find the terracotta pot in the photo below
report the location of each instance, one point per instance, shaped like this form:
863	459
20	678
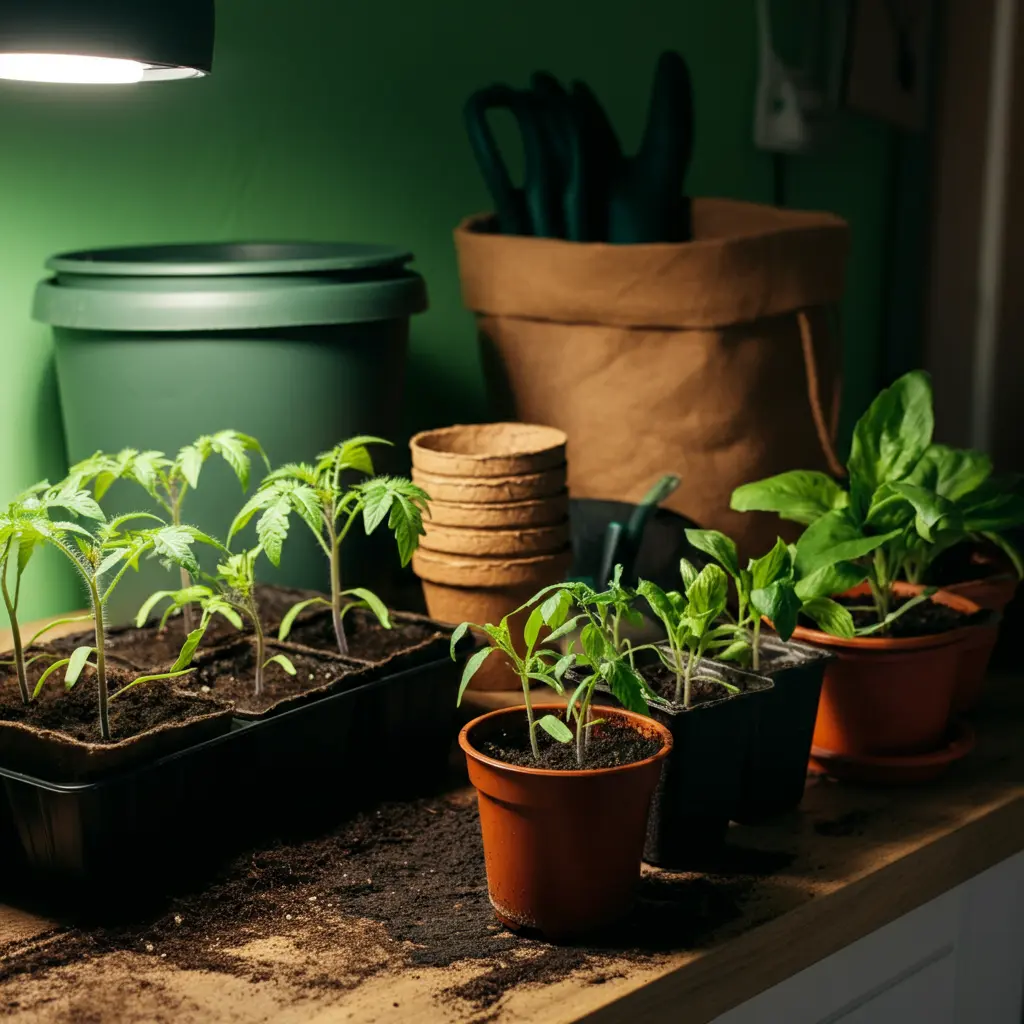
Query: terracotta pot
461	540
994	592
889	696
500	514
489	450
461	589
492	489
592	822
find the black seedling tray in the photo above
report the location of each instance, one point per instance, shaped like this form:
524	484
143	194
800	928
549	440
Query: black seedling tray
144	831
701	784
775	772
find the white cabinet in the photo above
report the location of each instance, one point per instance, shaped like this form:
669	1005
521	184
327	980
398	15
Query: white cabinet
956	960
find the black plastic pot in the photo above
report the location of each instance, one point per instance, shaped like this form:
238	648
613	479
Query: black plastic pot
775	772
144	830
702	782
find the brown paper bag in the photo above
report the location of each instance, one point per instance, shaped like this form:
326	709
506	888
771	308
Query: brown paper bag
713	359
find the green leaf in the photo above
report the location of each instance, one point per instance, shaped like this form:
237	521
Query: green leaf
472	666
709	593
81	503
567	627
771	567
718	546
830	616
532	628
802	496
114	558
780	604
284	661
891	437
952	473
231	447
556	729
657	599
272	529
933	513
294	612
189	648
830	580
190	461
76	663
173	544
594	643
403	503
739	652
627	687
150	679
39	633
373	602
917	599
576	700
150	603
563	665
688	571
259	501
888	511
55	667
460	631
556	608
835	538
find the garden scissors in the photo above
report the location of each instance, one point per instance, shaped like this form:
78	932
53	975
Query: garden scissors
551	203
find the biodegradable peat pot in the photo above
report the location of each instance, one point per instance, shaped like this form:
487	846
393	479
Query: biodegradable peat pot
885	695
775	771
591	822
461	589
489	450
701	787
460	540
48	753
507	515
489	490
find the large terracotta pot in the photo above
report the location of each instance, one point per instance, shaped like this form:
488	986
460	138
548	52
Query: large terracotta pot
463	589
993	592
489	450
889	696
591	822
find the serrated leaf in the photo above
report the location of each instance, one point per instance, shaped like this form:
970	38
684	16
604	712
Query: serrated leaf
231	447
272	529
190	462
173	544
627	687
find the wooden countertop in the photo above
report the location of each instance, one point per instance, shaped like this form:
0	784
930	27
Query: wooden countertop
862	857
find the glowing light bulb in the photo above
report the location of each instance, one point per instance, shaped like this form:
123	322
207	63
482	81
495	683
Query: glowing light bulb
70	69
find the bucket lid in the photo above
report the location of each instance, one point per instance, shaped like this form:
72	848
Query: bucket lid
228	286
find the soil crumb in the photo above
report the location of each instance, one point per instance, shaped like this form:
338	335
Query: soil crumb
610	746
401	886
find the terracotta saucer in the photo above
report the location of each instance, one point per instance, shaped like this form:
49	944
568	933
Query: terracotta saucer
895	770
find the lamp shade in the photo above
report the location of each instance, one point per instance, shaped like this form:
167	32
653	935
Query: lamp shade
105	41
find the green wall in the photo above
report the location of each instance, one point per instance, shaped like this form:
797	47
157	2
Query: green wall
328	119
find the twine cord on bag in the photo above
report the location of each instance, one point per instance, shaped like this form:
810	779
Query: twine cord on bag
826	432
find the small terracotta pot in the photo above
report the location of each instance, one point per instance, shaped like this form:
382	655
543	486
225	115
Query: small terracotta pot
488	450
994	592
889	696
461	589
492	489
591	822
461	540
501	514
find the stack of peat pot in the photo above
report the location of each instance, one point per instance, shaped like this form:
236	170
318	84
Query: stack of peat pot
498	529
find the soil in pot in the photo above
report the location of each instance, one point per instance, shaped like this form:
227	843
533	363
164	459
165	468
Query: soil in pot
367	639
928	618
612	746
532	818
57	736
230	675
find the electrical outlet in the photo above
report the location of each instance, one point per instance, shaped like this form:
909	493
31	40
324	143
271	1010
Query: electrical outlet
889	64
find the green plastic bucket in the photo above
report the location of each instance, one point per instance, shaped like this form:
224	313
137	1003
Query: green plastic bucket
299	344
